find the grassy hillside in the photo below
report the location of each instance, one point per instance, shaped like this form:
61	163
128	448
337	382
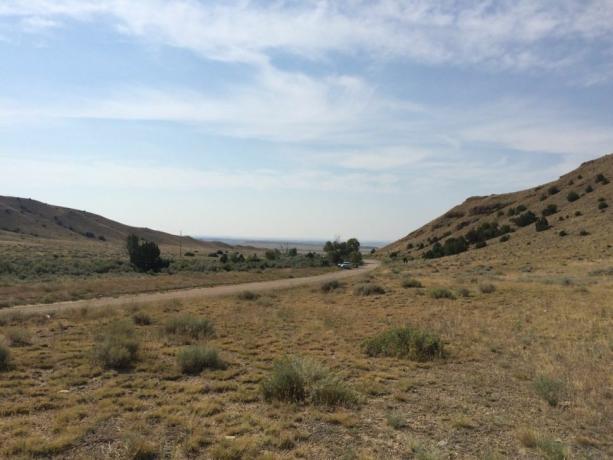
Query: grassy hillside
585	220
21	216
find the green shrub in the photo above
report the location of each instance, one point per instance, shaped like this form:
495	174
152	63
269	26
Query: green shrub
193	360
562	233
603	205
542	224
524	219
584	232
18	337
550	389
487	288
190	326
553	190
411	283
144	255
463	292
396	421
405	342
549	210
330	286
602	179
116	347
302	380
248	295
141	318
369	289
505	238
5	358
480	244
572	196
589	189
441	293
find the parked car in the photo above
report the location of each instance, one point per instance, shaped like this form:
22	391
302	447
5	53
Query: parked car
345	265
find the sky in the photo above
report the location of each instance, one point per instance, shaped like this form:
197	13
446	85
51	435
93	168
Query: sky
297	119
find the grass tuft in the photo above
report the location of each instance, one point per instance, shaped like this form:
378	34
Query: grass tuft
117	347
248	295
487	288
330	286
190	326
550	389
406	342
18	336
369	289
193	360
411	283
299	380
441	293
141	319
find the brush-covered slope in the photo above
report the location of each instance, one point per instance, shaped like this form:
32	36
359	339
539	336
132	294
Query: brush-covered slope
31	218
578	208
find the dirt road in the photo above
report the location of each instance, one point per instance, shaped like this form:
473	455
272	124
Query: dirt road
193	293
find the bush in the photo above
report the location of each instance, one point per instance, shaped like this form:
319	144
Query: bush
584	232
602	179
302	380
405	342
145	255
330	286
541	224
18	337
505	238
553	190
369	289
141	318
248	295
549	210
603	205
193	360
411	283
572	196
481	244
524	219
441	293
562	233
190	326
5	358
551	390
116	347
339	251
487	288
589	189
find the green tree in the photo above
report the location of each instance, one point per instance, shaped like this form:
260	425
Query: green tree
144	255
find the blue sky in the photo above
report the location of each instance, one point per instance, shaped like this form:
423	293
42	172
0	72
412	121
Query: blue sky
297	119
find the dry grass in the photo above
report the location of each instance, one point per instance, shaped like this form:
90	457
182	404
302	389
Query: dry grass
56	402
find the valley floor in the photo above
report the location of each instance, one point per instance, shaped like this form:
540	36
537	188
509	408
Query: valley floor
526	375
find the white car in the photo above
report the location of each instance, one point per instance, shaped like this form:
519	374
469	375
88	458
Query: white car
345	265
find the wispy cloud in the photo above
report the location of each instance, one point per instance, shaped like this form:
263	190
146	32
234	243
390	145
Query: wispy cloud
510	35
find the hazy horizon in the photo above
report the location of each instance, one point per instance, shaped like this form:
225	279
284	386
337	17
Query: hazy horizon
297	119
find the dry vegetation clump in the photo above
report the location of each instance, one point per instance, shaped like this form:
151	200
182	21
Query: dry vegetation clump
367	289
411	283
487	288
330	286
194	359
248	295
141	319
406	342
550	389
442	293
117	346
190	326
297	380
18	336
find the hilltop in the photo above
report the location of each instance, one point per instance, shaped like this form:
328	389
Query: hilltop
577	209
24	216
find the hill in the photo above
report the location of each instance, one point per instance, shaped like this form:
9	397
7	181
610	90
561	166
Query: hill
577	209
23	216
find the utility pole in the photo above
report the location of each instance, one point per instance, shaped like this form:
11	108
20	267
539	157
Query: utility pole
180	243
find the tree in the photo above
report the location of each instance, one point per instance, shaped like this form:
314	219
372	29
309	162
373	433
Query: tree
339	251
144	255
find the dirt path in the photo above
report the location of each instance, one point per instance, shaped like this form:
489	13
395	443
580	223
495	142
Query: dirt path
193	293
